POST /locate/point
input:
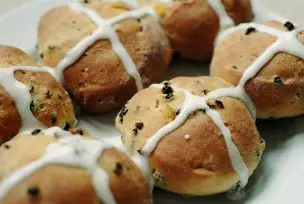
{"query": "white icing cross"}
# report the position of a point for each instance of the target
(193, 103)
(74, 151)
(105, 31)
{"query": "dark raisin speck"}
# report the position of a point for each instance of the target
(33, 191)
(123, 111)
(6, 146)
(135, 131)
(219, 104)
(118, 169)
(54, 119)
(140, 151)
(178, 112)
(32, 105)
(258, 153)
(290, 26)
(168, 96)
(67, 127)
(278, 81)
(204, 110)
(166, 83)
(167, 89)
(35, 132)
(31, 89)
(48, 94)
(250, 30)
(139, 125)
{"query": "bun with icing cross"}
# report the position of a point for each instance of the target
(192, 25)
(62, 168)
(268, 59)
(30, 96)
(196, 141)
(106, 51)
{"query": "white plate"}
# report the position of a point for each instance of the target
(278, 179)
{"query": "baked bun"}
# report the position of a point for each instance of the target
(47, 100)
(278, 87)
(53, 182)
(98, 79)
(192, 158)
(192, 25)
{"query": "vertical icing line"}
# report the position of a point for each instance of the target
(225, 20)
(105, 30)
(73, 151)
(193, 103)
(20, 94)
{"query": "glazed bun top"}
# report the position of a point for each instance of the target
(269, 56)
(188, 135)
(106, 51)
(192, 25)
(30, 96)
(62, 168)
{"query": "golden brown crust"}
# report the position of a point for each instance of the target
(61, 184)
(192, 25)
(46, 104)
(200, 165)
(272, 98)
(98, 79)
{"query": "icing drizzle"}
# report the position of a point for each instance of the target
(74, 151)
(225, 20)
(286, 42)
(20, 93)
(105, 31)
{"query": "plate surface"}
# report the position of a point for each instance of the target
(278, 179)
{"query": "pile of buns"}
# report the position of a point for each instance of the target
(188, 135)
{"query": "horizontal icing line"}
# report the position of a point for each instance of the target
(235, 92)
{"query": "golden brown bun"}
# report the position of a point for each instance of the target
(235, 54)
(192, 25)
(62, 184)
(98, 79)
(200, 165)
(56, 104)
